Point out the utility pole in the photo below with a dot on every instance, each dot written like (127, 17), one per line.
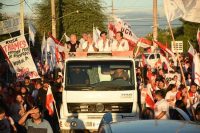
(53, 17)
(155, 20)
(22, 17)
(112, 8)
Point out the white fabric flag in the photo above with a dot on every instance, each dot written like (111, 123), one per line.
(191, 50)
(186, 9)
(96, 34)
(32, 32)
(196, 68)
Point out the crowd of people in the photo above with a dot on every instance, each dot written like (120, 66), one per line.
(161, 95)
(22, 103)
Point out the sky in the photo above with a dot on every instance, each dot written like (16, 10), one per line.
(138, 13)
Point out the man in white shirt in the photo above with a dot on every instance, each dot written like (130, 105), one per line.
(104, 43)
(120, 44)
(161, 109)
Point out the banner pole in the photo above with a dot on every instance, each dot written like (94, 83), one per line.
(174, 43)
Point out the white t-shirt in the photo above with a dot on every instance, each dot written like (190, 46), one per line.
(123, 45)
(102, 48)
(90, 49)
(171, 95)
(160, 106)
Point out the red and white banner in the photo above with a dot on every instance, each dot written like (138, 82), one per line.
(50, 101)
(196, 68)
(18, 53)
(186, 9)
(164, 48)
(125, 28)
(191, 50)
(144, 43)
(198, 37)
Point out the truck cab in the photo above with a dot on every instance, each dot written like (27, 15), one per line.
(95, 84)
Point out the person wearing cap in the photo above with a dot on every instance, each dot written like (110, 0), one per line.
(104, 43)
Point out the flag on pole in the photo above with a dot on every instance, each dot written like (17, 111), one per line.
(196, 68)
(32, 32)
(191, 51)
(198, 37)
(186, 9)
(50, 101)
(164, 48)
(144, 43)
(66, 37)
(96, 34)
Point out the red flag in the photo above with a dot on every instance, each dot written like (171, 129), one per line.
(144, 43)
(149, 101)
(49, 101)
(164, 48)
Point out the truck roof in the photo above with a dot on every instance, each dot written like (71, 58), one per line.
(128, 55)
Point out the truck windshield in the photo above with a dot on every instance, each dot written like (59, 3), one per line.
(98, 75)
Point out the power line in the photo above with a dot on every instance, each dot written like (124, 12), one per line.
(29, 6)
(12, 4)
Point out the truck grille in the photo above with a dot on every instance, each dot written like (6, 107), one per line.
(99, 107)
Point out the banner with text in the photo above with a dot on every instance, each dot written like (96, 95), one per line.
(17, 51)
(9, 26)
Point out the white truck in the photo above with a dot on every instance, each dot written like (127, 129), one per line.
(93, 86)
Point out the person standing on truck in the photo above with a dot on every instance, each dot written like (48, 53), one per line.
(104, 43)
(73, 45)
(90, 45)
(120, 44)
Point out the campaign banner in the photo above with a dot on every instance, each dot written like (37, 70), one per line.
(125, 28)
(9, 26)
(18, 53)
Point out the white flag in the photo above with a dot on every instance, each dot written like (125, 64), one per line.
(196, 69)
(186, 9)
(32, 32)
(66, 37)
(191, 50)
(96, 34)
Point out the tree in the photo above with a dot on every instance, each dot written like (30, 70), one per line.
(90, 12)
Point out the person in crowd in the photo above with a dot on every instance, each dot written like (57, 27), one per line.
(6, 123)
(28, 84)
(171, 95)
(104, 44)
(17, 109)
(161, 85)
(36, 123)
(90, 45)
(28, 99)
(120, 44)
(193, 94)
(73, 45)
(161, 109)
(38, 86)
(78, 76)
(188, 78)
(197, 113)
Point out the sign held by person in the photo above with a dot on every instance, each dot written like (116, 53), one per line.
(18, 54)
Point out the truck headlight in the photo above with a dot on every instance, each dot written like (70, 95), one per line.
(99, 107)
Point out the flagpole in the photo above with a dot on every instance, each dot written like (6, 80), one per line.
(137, 50)
(174, 43)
